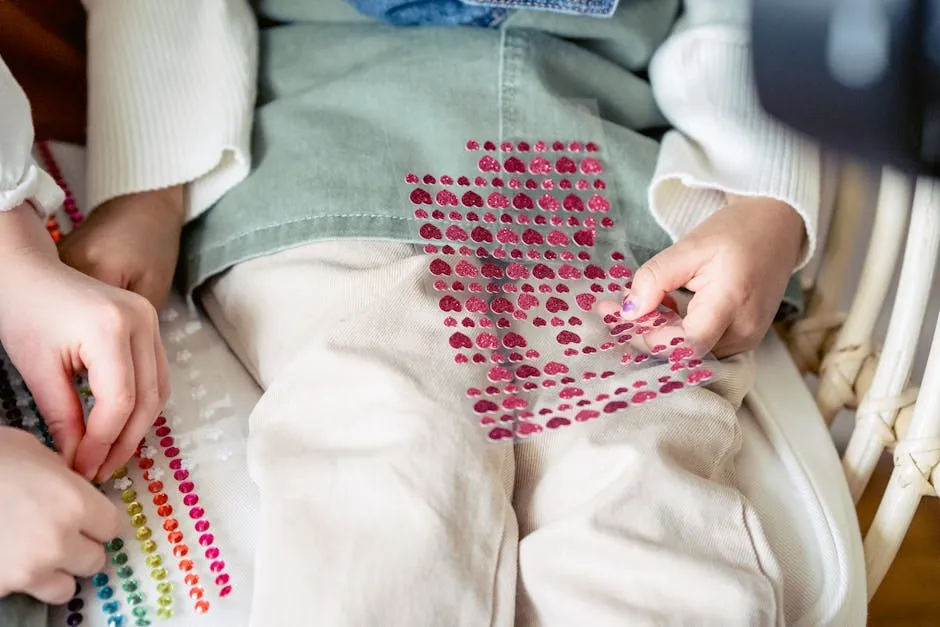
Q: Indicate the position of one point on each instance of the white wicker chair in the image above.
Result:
(854, 373)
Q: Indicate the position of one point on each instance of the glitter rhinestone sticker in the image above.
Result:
(513, 253)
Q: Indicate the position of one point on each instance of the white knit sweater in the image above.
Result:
(172, 88)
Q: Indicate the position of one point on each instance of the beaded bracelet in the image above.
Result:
(71, 207)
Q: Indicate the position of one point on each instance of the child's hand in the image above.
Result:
(131, 242)
(54, 523)
(55, 322)
(737, 262)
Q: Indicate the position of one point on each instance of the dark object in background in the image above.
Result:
(43, 44)
(862, 76)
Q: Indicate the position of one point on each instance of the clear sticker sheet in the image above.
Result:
(511, 245)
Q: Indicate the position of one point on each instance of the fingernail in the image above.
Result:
(628, 305)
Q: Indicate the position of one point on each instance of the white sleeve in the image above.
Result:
(171, 87)
(21, 180)
(723, 142)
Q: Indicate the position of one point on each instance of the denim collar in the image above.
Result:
(597, 8)
(481, 13)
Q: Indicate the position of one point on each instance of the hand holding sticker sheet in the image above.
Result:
(512, 249)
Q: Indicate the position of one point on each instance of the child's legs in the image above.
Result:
(633, 518)
(381, 502)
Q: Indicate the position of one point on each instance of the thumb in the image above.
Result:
(58, 404)
(666, 272)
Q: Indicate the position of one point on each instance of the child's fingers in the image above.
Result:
(100, 520)
(163, 369)
(83, 556)
(148, 403)
(55, 588)
(110, 365)
(663, 336)
(608, 308)
(655, 333)
(59, 405)
(708, 317)
(666, 272)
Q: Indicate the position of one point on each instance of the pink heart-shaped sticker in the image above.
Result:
(584, 238)
(500, 433)
(540, 165)
(557, 238)
(522, 201)
(591, 166)
(488, 164)
(449, 303)
(598, 204)
(585, 301)
(458, 340)
(514, 165)
(528, 428)
(586, 414)
(566, 165)
(456, 234)
(573, 203)
(507, 236)
(475, 304)
(420, 196)
(465, 269)
(524, 301)
(547, 202)
(487, 340)
(497, 201)
(517, 271)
